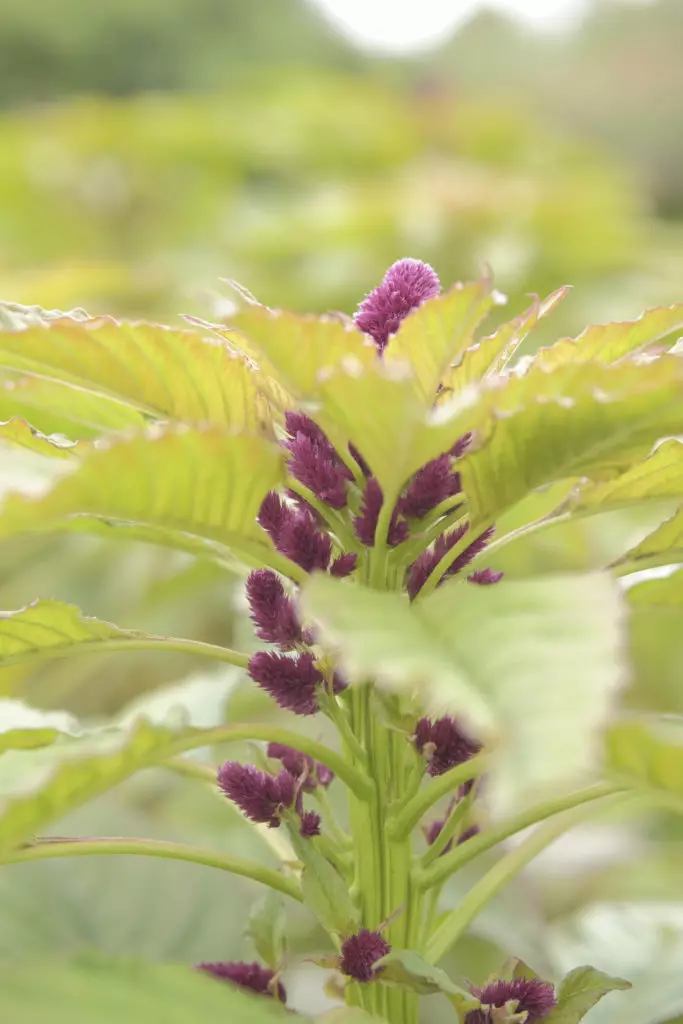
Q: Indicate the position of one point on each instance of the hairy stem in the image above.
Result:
(406, 818)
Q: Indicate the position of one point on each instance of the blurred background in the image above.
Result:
(149, 148)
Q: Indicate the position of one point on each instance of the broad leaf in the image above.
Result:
(610, 342)
(437, 333)
(110, 992)
(160, 371)
(580, 991)
(666, 592)
(266, 928)
(578, 420)
(19, 432)
(490, 654)
(27, 739)
(325, 892)
(201, 483)
(16, 317)
(658, 476)
(662, 547)
(492, 353)
(648, 755)
(57, 408)
(406, 968)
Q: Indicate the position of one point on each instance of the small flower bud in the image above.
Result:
(360, 953)
(531, 996)
(252, 976)
(291, 681)
(310, 824)
(258, 795)
(272, 611)
(406, 285)
(444, 743)
(301, 765)
(484, 577)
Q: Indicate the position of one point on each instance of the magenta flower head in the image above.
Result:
(314, 462)
(292, 682)
(435, 827)
(301, 765)
(444, 744)
(429, 486)
(344, 565)
(260, 796)
(423, 566)
(360, 953)
(310, 824)
(251, 976)
(272, 611)
(294, 533)
(365, 524)
(406, 285)
(527, 995)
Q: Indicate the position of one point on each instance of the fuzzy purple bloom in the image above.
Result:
(429, 487)
(470, 552)
(292, 682)
(406, 285)
(484, 577)
(422, 568)
(314, 462)
(258, 795)
(344, 565)
(272, 515)
(444, 744)
(360, 953)
(272, 611)
(434, 829)
(310, 824)
(534, 997)
(251, 976)
(461, 445)
(303, 542)
(301, 765)
(365, 524)
(364, 468)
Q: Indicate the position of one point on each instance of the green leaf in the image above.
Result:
(658, 476)
(609, 342)
(110, 992)
(648, 755)
(27, 739)
(16, 317)
(490, 654)
(577, 420)
(349, 1015)
(662, 547)
(580, 991)
(56, 408)
(47, 629)
(205, 484)
(666, 592)
(325, 892)
(492, 353)
(161, 371)
(266, 928)
(438, 333)
(406, 968)
(19, 432)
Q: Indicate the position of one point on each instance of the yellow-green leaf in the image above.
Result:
(577, 420)
(662, 547)
(27, 739)
(648, 755)
(202, 483)
(19, 432)
(58, 408)
(658, 476)
(666, 592)
(580, 991)
(160, 371)
(609, 342)
(437, 333)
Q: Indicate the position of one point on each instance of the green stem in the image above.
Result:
(437, 573)
(378, 556)
(451, 826)
(457, 922)
(412, 548)
(406, 818)
(354, 779)
(50, 847)
(490, 837)
(144, 642)
(190, 769)
(334, 520)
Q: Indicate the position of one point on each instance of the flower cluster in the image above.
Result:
(435, 828)
(360, 953)
(444, 744)
(263, 798)
(250, 976)
(529, 996)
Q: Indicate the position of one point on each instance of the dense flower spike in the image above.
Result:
(444, 744)
(484, 577)
(252, 976)
(435, 828)
(422, 568)
(406, 285)
(272, 611)
(365, 524)
(344, 565)
(528, 995)
(272, 515)
(260, 796)
(314, 462)
(310, 824)
(461, 445)
(429, 487)
(301, 765)
(292, 682)
(302, 541)
(360, 953)
(364, 468)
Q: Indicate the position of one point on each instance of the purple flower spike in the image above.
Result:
(365, 524)
(272, 515)
(272, 611)
(360, 953)
(461, 445)
(471, 552)
(406, 285)
(292, 682)
(434, 829)
(252, 976)
(421, 569)
(344, 565)
(258, 795)
(484, 577)
(364, 468)
(314, 462)
(444, 744)
(534, 997)
(302, 541)
(301, 765)
(430, 485)
(310, 824)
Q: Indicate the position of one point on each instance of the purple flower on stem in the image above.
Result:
(344, 565)
(251, 976)
(444, 744)
(258, 795)
(435, 828)
(364, 468)
(484, 577)
(406, 285)
(422, 568)
(292, 682)
(360, 953)
(528, 995)
(429, 487)
(461, 445)
(272, 611)
(272, 515)
(302, 542)
(301, 765)
(310, 824)
(314, 462)
(365, 524)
